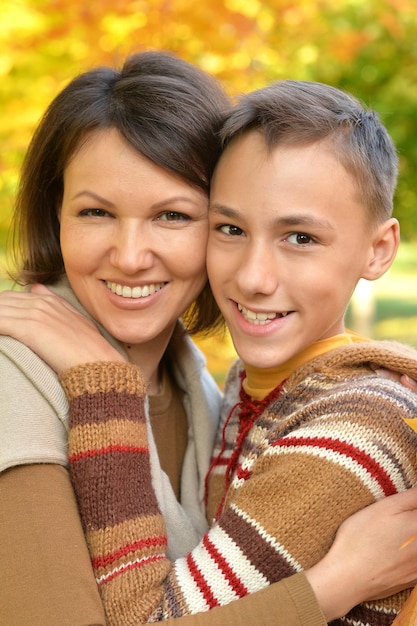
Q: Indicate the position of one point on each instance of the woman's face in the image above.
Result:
(133, 239)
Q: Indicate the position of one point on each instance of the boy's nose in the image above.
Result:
(257, 272)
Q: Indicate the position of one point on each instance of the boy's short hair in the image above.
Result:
(291, 112)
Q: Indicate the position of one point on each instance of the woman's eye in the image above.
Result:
(300, 239)
(229, 229)
(94, 212)
(172, 216)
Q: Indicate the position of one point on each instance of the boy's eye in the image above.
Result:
(229, 229)
(300, 239)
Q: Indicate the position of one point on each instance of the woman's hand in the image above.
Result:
(53, 329)
(403, 379)
(373, 556)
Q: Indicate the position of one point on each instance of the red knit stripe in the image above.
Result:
(103, 451)
(201, 583)
(128, 568)
(111, 557)
(342, 447)
(234, 581)
(243, 474)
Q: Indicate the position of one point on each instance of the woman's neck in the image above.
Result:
(148, 357)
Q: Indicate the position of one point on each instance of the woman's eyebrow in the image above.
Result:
(93, 196)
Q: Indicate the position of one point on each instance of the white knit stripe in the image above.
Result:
(193, 597)
(267, 537)
(213, 576)
(248, 575)
(128, 566)
(344, 460)
(363, 439)
(380, 389)
(220, 587)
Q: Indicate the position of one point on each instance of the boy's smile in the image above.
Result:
(259, 318)
(289, 240)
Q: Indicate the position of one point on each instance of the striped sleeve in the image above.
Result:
(110, 471)
(306, 465)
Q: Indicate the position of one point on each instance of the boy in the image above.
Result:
(301, 206)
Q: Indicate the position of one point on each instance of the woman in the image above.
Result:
(114, 196)
(119, 157)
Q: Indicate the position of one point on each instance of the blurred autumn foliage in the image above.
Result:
(368, 47)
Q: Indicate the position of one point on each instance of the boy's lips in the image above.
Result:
(126, 291)
(262, 317)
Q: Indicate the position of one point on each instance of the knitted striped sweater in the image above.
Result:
(331, 442)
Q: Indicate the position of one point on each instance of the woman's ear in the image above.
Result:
(385, 242)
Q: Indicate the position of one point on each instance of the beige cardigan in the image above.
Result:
(34, 424)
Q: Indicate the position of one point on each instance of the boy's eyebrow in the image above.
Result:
(223, 210)
(297, 219)
(300, 219)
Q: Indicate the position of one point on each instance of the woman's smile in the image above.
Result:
(133, 239)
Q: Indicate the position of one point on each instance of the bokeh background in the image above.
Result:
(368, 47)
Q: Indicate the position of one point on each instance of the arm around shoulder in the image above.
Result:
(46, 576)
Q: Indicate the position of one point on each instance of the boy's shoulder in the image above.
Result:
(352, 360)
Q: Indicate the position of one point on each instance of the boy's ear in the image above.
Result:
(384, 246)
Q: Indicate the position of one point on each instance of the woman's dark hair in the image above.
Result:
(165, 108)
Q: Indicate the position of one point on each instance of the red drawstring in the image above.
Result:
(249, 411)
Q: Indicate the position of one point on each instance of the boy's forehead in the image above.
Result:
(299, 181)
(253, 143)
(251, 152)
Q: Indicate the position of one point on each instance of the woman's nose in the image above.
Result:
(132, 251)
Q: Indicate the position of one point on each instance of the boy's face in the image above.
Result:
(288, 242)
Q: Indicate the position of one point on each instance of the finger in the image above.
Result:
(407, 498)
(40, 289)
(408, 382)
(383, 373)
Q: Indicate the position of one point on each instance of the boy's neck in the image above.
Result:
(259, 382)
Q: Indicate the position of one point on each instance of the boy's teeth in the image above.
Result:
(134, 292)
(258, 318)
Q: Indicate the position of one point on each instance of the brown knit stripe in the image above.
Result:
(100, 407)
(104, 377)
(101, 502)
(124, 599)
(125, 434)
(261, 554)
(117, 548)
(380, 613)
(216, 486)
(324, 477)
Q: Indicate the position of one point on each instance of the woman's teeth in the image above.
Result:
(134, 292)
(258, 318)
